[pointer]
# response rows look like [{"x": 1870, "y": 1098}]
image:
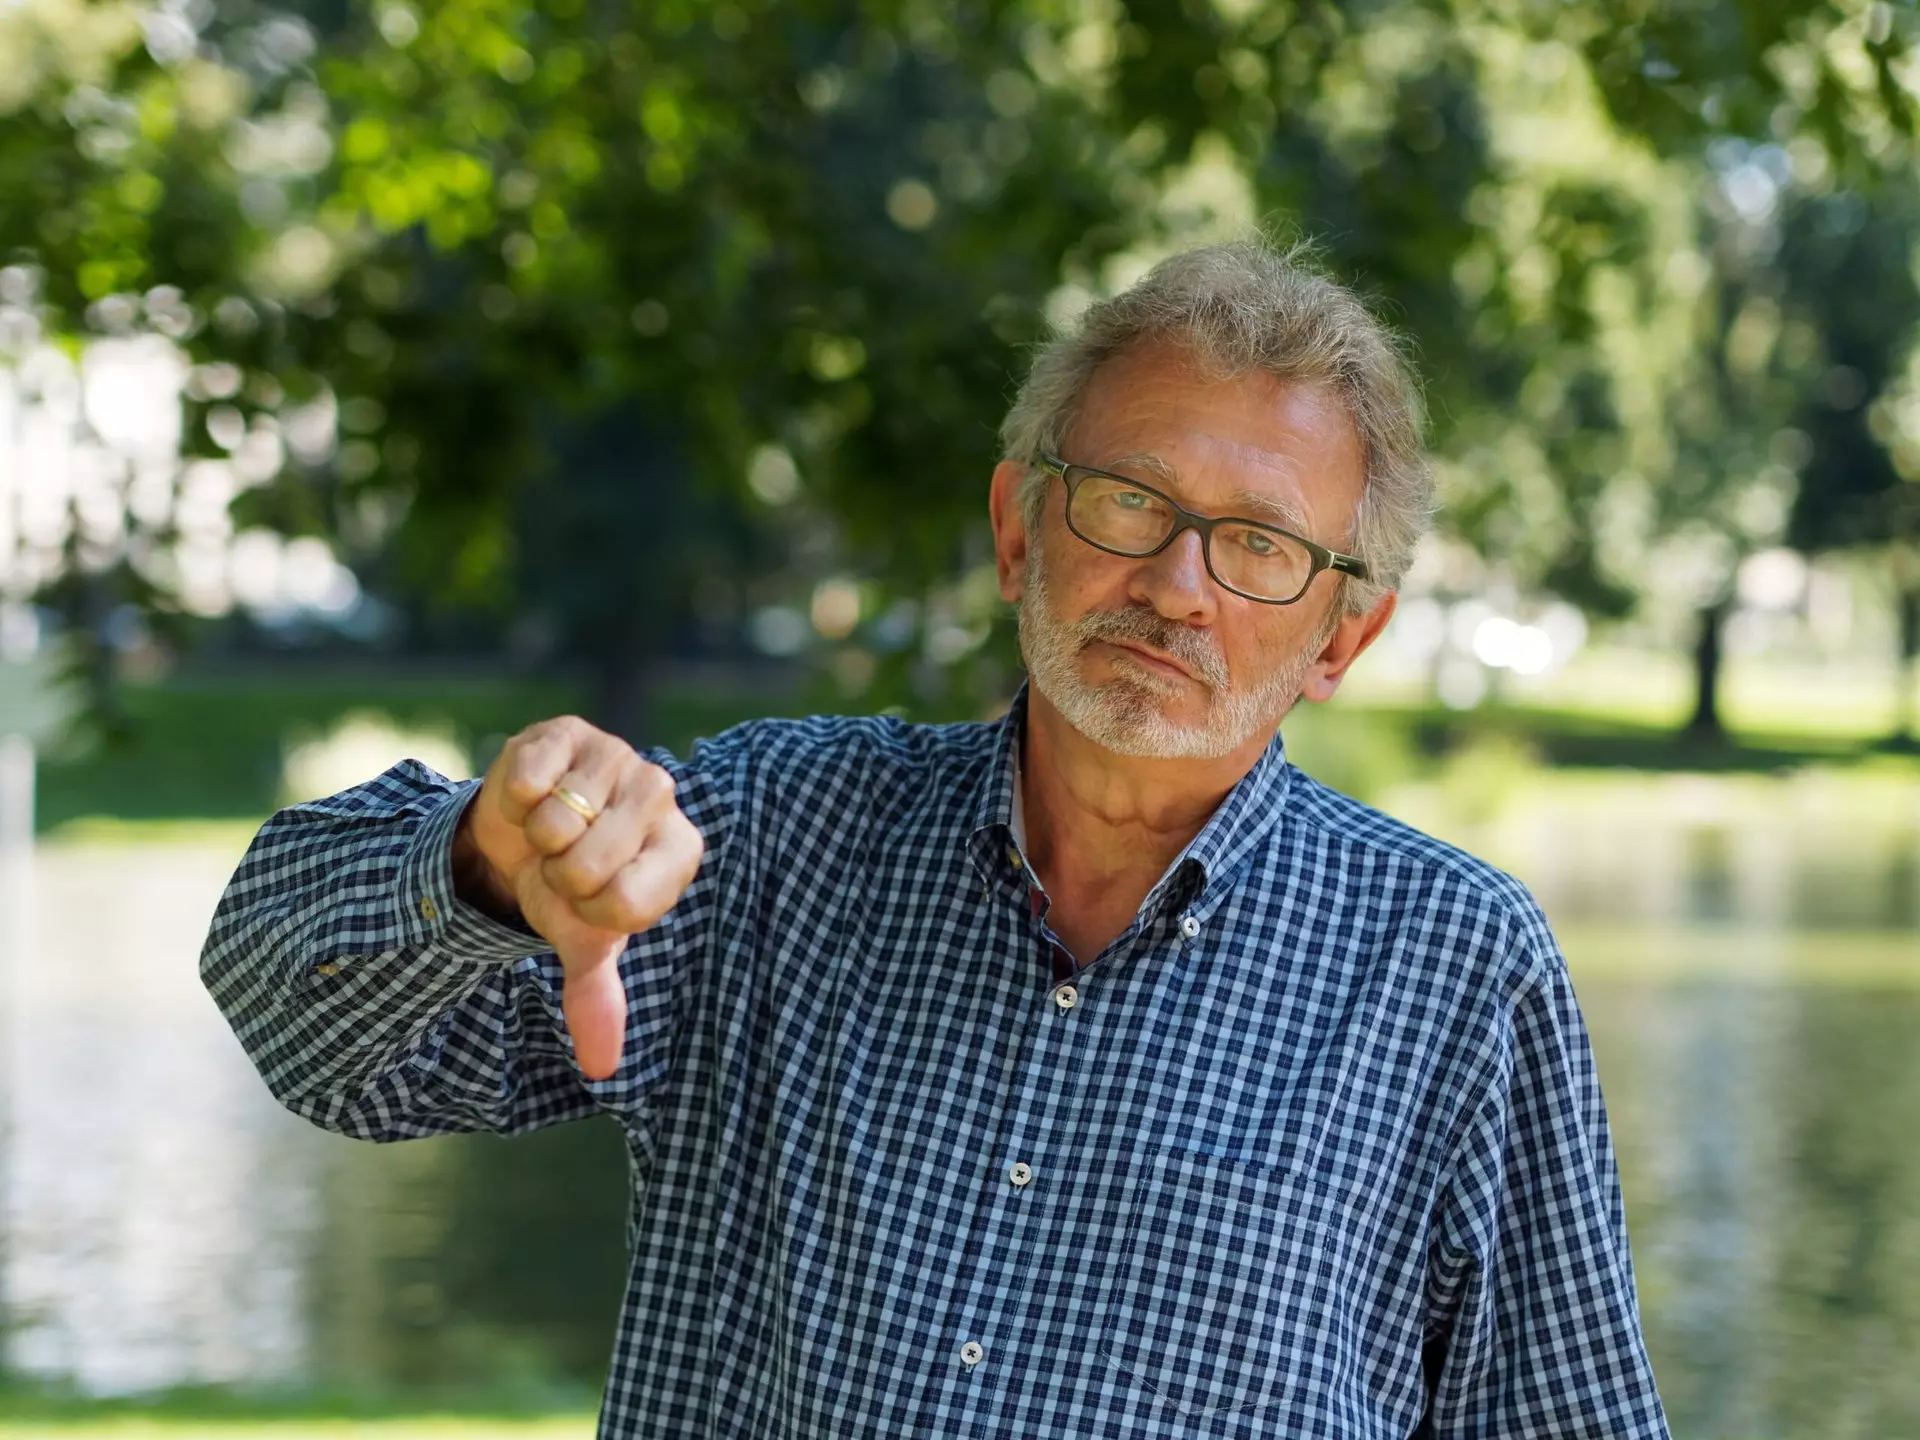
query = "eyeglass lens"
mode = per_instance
[{"x": 1248, "y": 558}]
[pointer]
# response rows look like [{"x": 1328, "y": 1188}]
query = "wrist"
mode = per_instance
[{"x": 475, "y": 880}]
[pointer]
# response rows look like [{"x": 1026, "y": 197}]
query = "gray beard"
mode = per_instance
[{"x": 1124, "y": 714}]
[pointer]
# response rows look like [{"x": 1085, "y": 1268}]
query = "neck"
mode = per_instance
[{"x": 1095, "y": 819}]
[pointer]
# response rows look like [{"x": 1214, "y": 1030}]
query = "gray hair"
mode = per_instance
[{"x": 1240, "y": 307}]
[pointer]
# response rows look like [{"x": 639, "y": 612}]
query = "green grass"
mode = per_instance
[
  {"x": 418, "y": 1427},
  {"x": 222, "y": 1414},
  {"x": 1867, "y": 959},
  {"x": 210, "y": 747},
  {"x": 1368, "y": 750}
]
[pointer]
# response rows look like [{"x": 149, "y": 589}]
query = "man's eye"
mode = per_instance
[
  {"x": 1259, "y": 544},
  {"x": 1131, "y": 500}
]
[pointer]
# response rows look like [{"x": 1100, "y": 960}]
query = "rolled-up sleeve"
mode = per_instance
[
  {"x": 1535, "y": 1325},
  {"x": 374, "y": 1002}
]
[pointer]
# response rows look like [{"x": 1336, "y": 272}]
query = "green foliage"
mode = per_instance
[
  {"x": 1849, "y": 269},
  {"x": 628, "y": 316}
]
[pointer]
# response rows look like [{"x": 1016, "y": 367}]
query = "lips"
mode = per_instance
[{"x": 1152, "y": 659}]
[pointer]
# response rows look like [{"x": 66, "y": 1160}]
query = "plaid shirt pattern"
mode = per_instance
[{"x": 1315, "y": 1148}]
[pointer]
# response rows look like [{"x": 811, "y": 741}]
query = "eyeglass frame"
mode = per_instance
[{"x": 1185, "y": 519}]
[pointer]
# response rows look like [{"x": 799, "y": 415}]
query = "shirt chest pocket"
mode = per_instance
[{"x": 1226, "y": 1296}]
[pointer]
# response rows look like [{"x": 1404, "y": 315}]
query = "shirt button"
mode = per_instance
[
  {"x": 1013, "y": 858},
  {"x": 428, "y": 910},
  {"x": 971, "y": 1353},
  {"x": 1020, "y": 1172},
  {"x": 1189, "y": 926},
  {"x": 1066, "y": 997},
  {"x": 327, "y": 969}
]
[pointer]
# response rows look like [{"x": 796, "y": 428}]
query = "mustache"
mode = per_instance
[{"x": 1148, "y": 627}]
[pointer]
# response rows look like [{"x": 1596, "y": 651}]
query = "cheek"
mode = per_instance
[
  {"x": 1264, "y": 648},
  {"x": 1080, "y": 583}
]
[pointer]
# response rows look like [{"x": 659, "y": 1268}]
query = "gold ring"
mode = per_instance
[{"x": 577, "y": 803}]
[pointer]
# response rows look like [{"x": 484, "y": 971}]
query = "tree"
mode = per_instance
[
  {"x": 518, "y": 254},
  {"x": 1851, "y": 257},
  {"x": 479, "y": 233},
  {"x": 1811, "y": 113}
]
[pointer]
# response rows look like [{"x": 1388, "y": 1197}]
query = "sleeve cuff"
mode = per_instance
[{"x": 429, "y": 911}]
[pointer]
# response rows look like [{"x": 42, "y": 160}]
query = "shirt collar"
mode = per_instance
[{"x": 1229, "y": 837}]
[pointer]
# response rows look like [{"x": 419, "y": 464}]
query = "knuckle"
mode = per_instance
[
  {"x": 695, "y": 842},
  {"x": 563, "y": 734},
  {"x": 563, "y": 874},
  {"x": 636, "y": 885},
  {"x": 647, "y": 782},
  {"x": 544, "y": 833},
  {"x": 629, "y": 898},
  {"x": 521, "y": 785}
]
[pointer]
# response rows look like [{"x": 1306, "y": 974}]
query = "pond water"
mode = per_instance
[{"x": 1747, "y": 953}]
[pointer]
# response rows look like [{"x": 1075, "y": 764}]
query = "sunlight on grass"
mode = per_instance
[
  {"x": 572, "y": 1427},
  {"x": 107, "y": 831},
  {"x": 1869, "y": 959}
]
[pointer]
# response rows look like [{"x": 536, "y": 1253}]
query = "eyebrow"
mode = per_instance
[{"x": 1245, "y": 504}]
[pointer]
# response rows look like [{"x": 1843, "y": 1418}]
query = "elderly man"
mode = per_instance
[{"x": 1091, "y": 1072}]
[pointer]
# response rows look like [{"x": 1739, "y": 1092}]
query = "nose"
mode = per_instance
[{"x": 1176, "y": 583}]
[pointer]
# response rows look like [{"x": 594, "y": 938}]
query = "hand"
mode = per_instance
[{"x": 584, "y": 887}]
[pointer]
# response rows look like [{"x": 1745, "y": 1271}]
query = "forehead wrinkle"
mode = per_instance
[
  {"x": 1141, "y": 460},
  {"x": 1243, "y": 503},
  {"x": 1255, "y": 506}
]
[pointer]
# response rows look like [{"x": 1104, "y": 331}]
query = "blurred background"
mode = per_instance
[{"x": 378, "y": 378}]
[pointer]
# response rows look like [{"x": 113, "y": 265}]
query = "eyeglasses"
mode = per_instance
[{"x": 1257, "y": 561}]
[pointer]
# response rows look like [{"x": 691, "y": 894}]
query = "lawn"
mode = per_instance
[
  {"x": 213, "y": 1413},
  {"x": 211, "y": 746},
  {"x": 423, "y": 1427}
]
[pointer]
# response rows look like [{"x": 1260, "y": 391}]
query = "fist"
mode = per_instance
[{"x": 584, "y": 875}]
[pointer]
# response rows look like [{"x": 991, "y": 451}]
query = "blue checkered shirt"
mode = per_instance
[{"x": 1314, "y": 1148}]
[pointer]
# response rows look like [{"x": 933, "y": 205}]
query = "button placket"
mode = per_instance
[{"x": 1019, "y": 1212}]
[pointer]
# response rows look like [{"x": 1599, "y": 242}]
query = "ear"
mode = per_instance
[
  {"x": 1352, "y": 635},
  {"x": 1009, "y": 527}
]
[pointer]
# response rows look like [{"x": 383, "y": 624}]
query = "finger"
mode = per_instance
[
  {"x": 534, "y": 761},
  {"x": 594, "y": 1001},
  {"x": 650, "y": 884},
  {"x": 637, "y": 807},
  {"x": 553, "y": 825}
]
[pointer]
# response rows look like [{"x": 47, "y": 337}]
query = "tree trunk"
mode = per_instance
[
  {"x": 1707, "y": 657},
  {"x": 622, "y": 698}
]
